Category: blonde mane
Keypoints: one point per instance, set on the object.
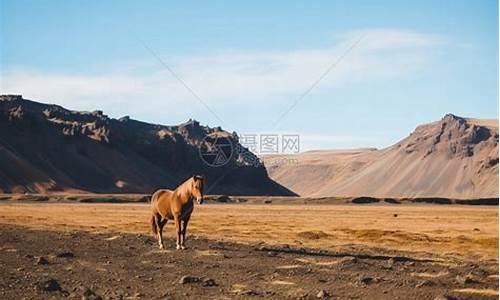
(184, 190)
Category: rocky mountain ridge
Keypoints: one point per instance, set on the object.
(47, 148)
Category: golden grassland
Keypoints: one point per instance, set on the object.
(448, 229)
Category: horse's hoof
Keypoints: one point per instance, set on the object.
(183, 248)
(178, 247)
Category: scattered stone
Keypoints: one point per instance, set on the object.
(444, 297)
(366, 279)
(395, 215)
(389, 264)
(476, 229)
(50, 285)
(322, 294)
(89, 294)
(188, 279)
(465, 279)
(65, 254)
(424, 283)
(209, 282)
(248, 293)
(42, 261)
(262, 248)
(348, 260)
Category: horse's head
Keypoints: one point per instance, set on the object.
(197, 188)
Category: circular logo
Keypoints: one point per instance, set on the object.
(216, 151)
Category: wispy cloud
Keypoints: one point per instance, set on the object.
(233, 76)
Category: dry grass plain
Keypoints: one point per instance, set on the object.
(470, 231)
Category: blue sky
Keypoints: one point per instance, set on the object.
(415, 62)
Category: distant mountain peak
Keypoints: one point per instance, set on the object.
(453, 119)
(452, 116)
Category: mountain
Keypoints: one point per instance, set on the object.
(455, 158)
(47, 148)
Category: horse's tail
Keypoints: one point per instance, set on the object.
(152, 220)
(154, 230)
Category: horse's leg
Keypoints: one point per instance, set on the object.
(184, 229)
(177, 221)
(159, 226)
(162, 224)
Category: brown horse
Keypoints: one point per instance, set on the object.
(175, 205)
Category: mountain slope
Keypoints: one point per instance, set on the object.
(46, 148)
(454, 157)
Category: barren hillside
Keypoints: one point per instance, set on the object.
(47, 148)
(455, 157)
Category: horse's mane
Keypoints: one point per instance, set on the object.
(181, 189)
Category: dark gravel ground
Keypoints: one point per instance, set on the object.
(41, 264)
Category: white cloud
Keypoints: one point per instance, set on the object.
(391, 39)
(228, 76)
